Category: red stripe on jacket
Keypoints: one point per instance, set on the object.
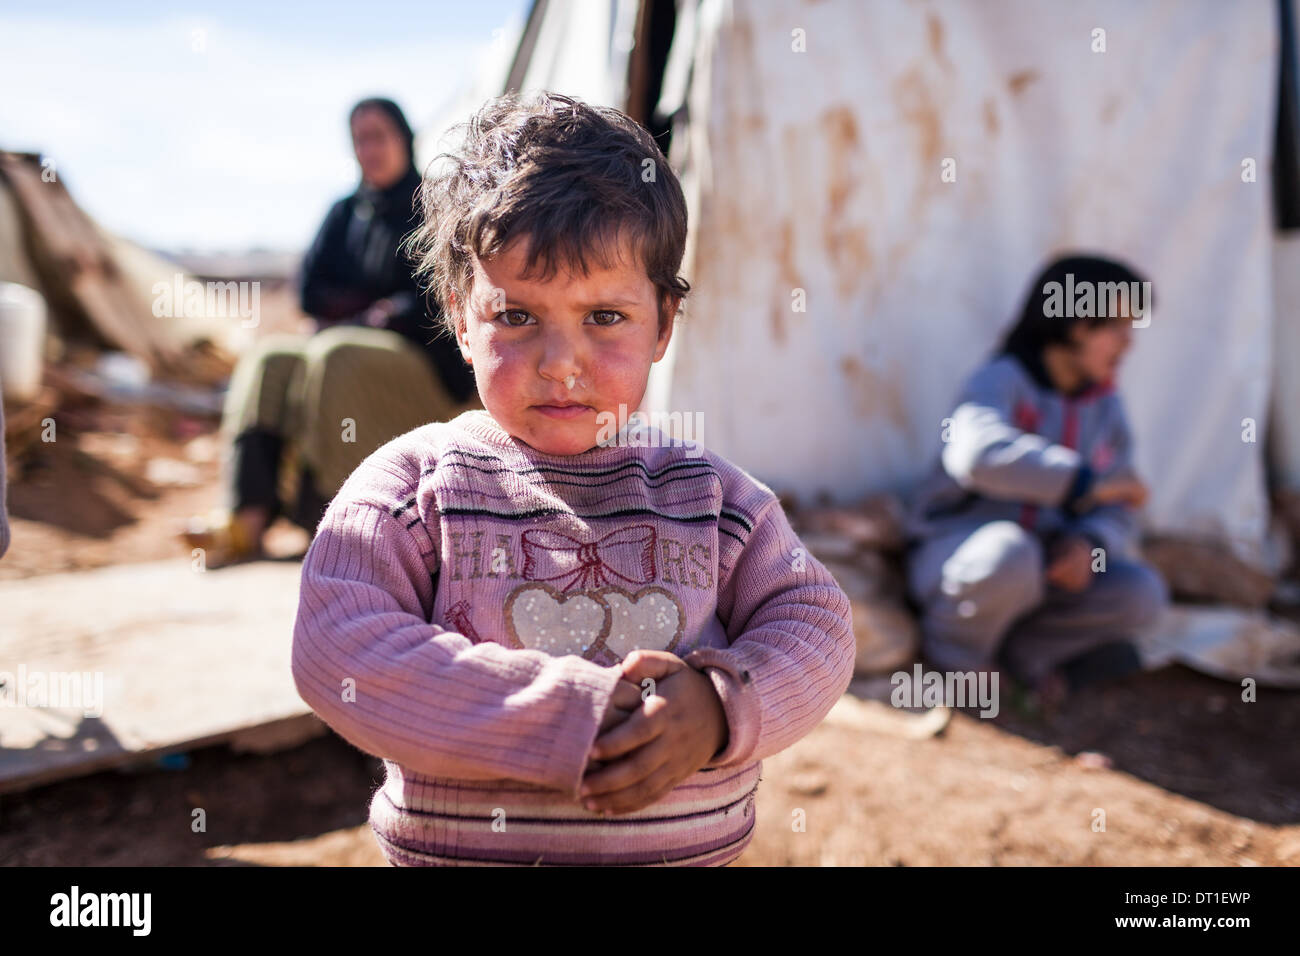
(1026, 419)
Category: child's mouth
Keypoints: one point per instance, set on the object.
(565, 411)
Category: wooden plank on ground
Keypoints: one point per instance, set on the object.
(150, 659)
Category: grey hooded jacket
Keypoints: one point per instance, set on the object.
(1017, 449)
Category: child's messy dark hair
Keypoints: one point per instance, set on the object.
(1042, 323)
(569, 178)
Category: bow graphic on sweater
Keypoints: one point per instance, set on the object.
(623, 555)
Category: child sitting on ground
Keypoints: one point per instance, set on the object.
(1024, 550)
(567, 649)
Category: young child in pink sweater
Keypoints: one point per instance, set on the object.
(568, 646)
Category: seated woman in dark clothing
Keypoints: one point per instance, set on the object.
(303, 411)
(353, 272)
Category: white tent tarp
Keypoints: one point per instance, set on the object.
(812, 147)
(821, 171)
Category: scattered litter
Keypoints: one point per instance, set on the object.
(1287, 593)
(179, 761)
(885, 630)
(829, 547)
(874, 523)
(172, 473)
(121, 388)
(119, 370)
(873, 716)
(811, 784)
(118, 448)
(202, 449)
(860, 545)
(1208, 571)
(1091, 760)
(1228, 643)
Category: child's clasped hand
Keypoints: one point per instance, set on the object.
(652, 742)
(1069, 564)
(1125, 489)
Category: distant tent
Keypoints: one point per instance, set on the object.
(97, 286)
(871, 186)
(577, 46)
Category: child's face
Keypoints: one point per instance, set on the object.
(528, 338)
(1098, 351)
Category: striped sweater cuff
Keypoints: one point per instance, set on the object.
(735, 688)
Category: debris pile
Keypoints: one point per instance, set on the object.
(862, 545)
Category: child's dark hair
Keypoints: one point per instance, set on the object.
(1041, 323)
(569, 178)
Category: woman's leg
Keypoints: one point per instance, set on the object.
(972, 586)
(254, 422)
(357, 389)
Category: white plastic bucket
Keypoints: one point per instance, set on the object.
(22, 340)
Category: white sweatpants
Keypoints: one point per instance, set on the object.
(986, 602)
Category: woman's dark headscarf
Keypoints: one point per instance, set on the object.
(394, 113)
(1038, 327)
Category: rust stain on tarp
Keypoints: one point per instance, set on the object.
(724, 231)
(874, 395)
(845, 240)
(789, 277)
(1017, 82)
(990, 117)
(917, 107)
(1109, 109)
(934, 30)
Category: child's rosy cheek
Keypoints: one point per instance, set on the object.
(505, 359)
(619, 363)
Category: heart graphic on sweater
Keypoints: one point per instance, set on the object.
(649, 620)
(593, 622)
(541, 618)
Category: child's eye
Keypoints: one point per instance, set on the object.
(606, 317)
(513, 312)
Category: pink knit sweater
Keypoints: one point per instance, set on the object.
(466, 601)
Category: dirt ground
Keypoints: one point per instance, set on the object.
(92, 498)
(1197, 779)
(119, 480)
(1184, 771)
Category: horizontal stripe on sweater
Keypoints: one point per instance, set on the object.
(403, 856)
(452, 823)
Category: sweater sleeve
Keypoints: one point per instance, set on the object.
(989, 455)
(791, 647)
(369, 663)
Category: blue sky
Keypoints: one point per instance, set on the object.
(224, 126)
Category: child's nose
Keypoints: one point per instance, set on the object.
(561, 357)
